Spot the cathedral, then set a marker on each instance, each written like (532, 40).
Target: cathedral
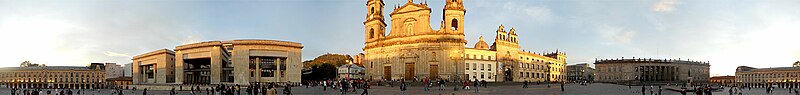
(412, 50)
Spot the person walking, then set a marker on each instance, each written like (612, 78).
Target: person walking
(425, 84)
(143, 92)
(172, 91)
(287, 90)
(525, 84)
(475, 83)
(466, 84)
(562, 86)
(441, 84)
(403, 87)
(643, 89)
(365, 90)
(659, 90)
(485, 84)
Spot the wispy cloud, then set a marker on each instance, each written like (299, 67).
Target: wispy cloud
(665, 5)
(115, 54)
(616, 34)
(532, 11)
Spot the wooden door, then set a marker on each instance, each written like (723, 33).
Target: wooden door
(409, 71)
(434, 72)
(387, 72)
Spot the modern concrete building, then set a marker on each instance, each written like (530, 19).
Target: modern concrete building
(113, 70)
(580, 73)
(414, 50)
(127, 70)
(156, 67)
(240, 62)
(762, 77)
(73, 77)
(639, 70)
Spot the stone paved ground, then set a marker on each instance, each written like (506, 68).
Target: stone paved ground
(571, 89)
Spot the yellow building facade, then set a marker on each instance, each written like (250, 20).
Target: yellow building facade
(73, 77)
(784, 77)
(413, 50)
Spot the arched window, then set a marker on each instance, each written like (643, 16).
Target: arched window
(454, 24)
(371, 33)
(372, 10)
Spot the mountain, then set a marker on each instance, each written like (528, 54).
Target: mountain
(335, 59)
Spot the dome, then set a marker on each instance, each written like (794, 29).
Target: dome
(481, 44)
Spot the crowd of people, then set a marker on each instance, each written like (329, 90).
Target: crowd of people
(37, 91)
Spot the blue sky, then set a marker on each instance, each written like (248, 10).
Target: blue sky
(726, 33)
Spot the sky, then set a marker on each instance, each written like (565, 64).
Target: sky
(725, 33)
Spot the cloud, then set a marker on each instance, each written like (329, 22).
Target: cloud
(536, 12)
(665, 5)
(115, 54)
(616, 34)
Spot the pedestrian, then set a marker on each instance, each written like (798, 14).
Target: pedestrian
(425, 84)
(484, 83)
(365, 90)
(441, 84)
(525, 84)
(562, 87)
(466, 84)
(287, 90)
(659, 90)
(144, 92)
(172, 91)
(643, 89)
(476, 85)
(403, 87)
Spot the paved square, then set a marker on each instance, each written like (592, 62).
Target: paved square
(509, 89)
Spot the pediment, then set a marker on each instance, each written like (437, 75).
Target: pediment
(411, 7)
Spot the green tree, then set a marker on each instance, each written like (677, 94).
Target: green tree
(322, 71)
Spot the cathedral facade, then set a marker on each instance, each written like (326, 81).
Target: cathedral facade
(412, 50)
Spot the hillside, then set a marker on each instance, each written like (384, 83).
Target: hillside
(336, 59)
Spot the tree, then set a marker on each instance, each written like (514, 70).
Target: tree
(322, 71)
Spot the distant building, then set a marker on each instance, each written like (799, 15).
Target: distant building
(724, 80)
(119, 82)
(72, 77)
(580, 73)
(241, 62)
(651, 71)
(762, 77)
(113, 70)
(127, 70)
(350, 71)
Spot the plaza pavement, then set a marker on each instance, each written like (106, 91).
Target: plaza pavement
(513, 89)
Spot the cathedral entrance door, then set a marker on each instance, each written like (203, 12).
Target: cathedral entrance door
(409, 71)
(387, 72)
(434, 72)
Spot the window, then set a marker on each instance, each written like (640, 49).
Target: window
(454, 24)
(268, 67)
(482, 66)
(490, 67)
(475, 66)
(467, 66)
(371, 33)
(149, 71)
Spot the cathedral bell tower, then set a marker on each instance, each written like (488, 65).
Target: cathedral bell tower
(374, 26)
(453, 20)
